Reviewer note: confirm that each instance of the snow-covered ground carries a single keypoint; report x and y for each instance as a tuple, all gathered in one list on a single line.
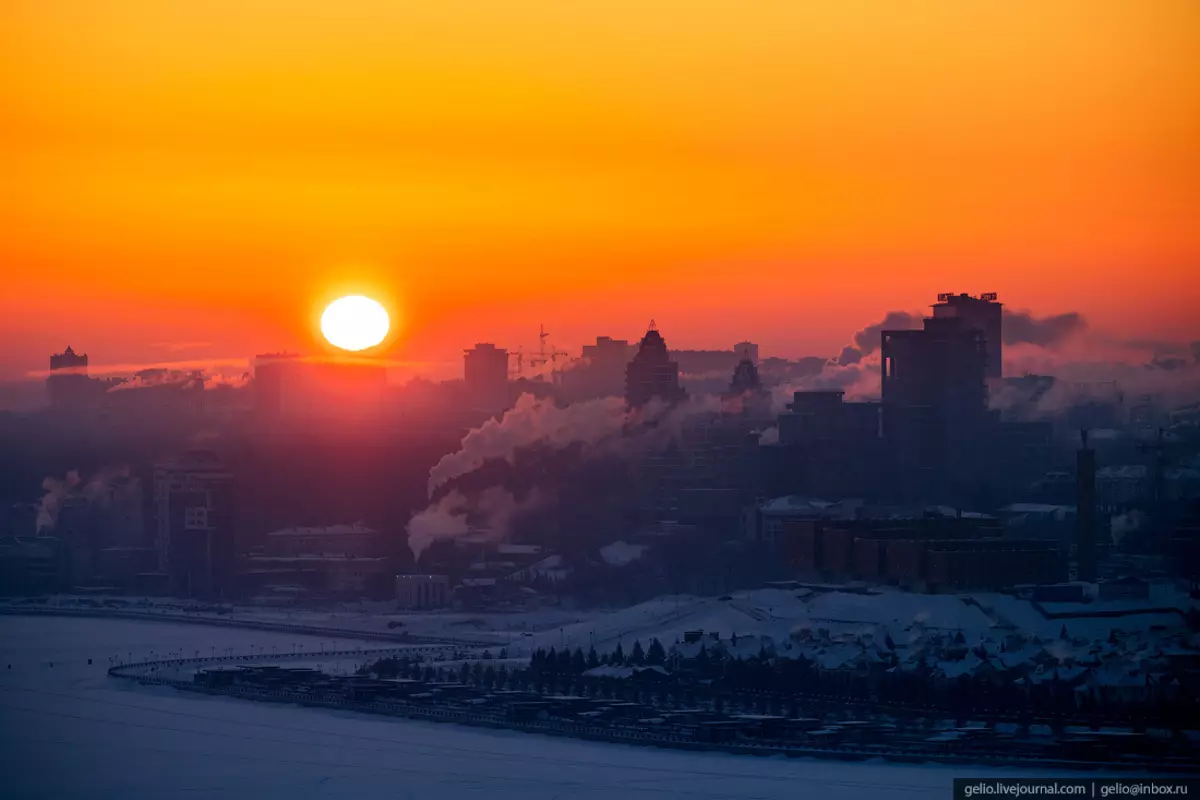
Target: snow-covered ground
[(69, 731), (777, 613)]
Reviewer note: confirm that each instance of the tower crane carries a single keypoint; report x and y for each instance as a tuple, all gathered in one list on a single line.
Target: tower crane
[(544, 355), (519, 354)]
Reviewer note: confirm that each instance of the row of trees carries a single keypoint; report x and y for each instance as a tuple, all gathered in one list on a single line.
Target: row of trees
[(966, 696), (574, 662)]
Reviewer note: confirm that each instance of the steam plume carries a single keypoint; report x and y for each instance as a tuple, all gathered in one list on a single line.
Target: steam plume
[(493, 509), (57, 491), (1021, 327), (530, 421)]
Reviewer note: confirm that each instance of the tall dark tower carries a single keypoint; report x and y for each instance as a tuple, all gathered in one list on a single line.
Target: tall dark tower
[(983, 314), (935, 407), (68, 383), (652, 373), (1085, 505), (746, 395)]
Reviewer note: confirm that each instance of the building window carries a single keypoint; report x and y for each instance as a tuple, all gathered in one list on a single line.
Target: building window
[(195, 518)]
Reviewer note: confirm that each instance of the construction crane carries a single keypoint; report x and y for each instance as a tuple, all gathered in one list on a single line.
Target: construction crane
[(545, 355), (519, 354)]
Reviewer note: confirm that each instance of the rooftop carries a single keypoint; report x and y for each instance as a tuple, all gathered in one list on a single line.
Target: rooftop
[(326, 530)]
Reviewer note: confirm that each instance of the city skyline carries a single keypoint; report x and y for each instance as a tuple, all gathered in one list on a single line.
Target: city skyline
[(590, 168)]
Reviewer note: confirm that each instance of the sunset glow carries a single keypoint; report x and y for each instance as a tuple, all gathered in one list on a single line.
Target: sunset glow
[(354, 323), (589, 165)]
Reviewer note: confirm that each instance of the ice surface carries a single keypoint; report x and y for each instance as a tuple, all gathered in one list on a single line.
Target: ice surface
[(69, 731)]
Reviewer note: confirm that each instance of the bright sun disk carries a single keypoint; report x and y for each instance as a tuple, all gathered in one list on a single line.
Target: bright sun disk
[(354, 323)]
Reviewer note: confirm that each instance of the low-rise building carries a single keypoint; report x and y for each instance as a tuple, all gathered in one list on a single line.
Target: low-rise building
[(422, 591)]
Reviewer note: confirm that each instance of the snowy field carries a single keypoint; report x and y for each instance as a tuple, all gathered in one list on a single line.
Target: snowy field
[(775, 613), (69, 731)]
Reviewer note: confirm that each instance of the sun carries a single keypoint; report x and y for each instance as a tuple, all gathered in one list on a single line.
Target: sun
[(354, 323)]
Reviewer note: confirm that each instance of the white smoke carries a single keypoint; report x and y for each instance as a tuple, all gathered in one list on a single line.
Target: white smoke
[(57, 491), (1124, 524), (530, 421), (769, 436), (604, 426), (860, 381), (451, 517)]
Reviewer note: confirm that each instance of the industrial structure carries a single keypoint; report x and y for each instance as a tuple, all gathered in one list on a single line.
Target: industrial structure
[(420, 592), (934, 551)]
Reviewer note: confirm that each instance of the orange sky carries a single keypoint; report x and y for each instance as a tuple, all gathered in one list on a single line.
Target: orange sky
[(185, 180)]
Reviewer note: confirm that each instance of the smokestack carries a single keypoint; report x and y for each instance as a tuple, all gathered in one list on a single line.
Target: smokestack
[(1085, 505)]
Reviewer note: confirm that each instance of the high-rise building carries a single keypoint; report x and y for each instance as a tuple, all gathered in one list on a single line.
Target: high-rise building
[(69, 361), (599, 373), (983, 314), (119, 516), (652, 373), (485, 373), (1085, 505), (608, 353), (746, 350), (75, 530), (68, 383), (292, 387), (746, 395), (935, 406), (194, 518)]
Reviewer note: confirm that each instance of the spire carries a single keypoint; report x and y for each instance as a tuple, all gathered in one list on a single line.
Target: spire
[(652, 327)]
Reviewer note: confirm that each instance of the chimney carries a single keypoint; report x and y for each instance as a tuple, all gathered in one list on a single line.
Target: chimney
[(1085, 508)]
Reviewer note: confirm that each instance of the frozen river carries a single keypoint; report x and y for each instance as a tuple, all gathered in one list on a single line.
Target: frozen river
[(69, 731)]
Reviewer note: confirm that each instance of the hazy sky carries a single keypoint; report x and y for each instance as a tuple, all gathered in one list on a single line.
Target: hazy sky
[(183, 179)]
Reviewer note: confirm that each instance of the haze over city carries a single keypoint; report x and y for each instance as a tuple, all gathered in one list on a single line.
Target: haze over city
[(191, 181), (575, 399)]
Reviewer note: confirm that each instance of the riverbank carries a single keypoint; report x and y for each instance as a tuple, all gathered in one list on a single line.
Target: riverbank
[(625, 734)]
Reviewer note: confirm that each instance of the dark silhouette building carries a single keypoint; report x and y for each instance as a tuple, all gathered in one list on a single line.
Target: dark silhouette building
[(652, 373), (608, 353), (747, 351), (485, 373), (983, 314), (827, 447), (599, 373), (746, 396), (935, 413), (194, 524), (69, 361), (1085, 504), (289, 386), (745, 378), (68, 383)]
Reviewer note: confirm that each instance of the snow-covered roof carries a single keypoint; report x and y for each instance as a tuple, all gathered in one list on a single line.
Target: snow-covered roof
[(966, 666), (797, 504), (1044, 509), (620, 553)]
